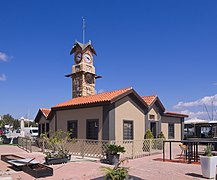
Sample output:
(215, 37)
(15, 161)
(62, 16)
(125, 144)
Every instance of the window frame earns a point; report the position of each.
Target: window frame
(171, 134)
(39, 130)
(132, 133)
(76, 122)
(88, 135)
(149, 117)
(43, 128)
(47, 128)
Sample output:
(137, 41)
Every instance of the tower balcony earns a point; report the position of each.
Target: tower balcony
(83, 67)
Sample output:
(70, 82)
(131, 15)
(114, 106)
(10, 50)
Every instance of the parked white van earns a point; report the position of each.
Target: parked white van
(31, 131)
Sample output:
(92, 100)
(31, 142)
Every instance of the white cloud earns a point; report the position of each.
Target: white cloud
(203, 108)
(198, 114)
(207, 100)
(99, 91)
(215, 84)
(3, 57)
(2, 77)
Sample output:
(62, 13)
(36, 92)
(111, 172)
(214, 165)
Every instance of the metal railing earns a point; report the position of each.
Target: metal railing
(97, 149)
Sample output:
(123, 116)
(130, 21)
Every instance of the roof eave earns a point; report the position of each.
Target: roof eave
(175, 115)
(54, 108)
(38, 116)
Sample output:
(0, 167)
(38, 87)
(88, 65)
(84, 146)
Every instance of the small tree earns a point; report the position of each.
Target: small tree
(57, 142)
(161, 135)
(148, 134)
(160, 141)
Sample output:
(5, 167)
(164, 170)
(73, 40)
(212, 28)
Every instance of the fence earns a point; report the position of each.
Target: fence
(25, 143)
(96, 149)
(140, 148)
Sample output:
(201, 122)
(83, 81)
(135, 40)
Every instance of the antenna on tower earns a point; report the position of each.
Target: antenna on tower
(83, 29)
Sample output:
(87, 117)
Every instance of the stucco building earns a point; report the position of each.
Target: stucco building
(117, 115)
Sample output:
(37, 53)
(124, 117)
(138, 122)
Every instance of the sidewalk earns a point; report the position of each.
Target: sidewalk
(146, 168)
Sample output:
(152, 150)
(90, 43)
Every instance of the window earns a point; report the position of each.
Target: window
(92, 129)
(43, 128)
(39, 129)
(72, 127)
(171, 134)
(34, 131)
(128, 130)
(151, 116)
(47, 129)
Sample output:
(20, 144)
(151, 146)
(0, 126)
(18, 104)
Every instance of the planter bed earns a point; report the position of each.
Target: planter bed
(8, 157)
(50, 161)
(127, 178)
(38, 170)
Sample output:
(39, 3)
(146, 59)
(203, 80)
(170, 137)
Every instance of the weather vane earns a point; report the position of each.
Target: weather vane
(83, 29)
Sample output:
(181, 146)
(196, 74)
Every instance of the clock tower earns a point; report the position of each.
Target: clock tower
(83, 72)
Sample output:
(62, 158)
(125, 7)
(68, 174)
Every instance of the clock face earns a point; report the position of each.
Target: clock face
(87, 58)
(78, 58)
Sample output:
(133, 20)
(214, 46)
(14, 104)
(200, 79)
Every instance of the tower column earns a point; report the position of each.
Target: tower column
(83, 72)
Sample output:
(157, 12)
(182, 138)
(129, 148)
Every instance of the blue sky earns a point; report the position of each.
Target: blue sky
(168, 48)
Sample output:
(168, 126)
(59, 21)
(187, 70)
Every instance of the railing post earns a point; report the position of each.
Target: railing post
(22, 143)
(26, 145)
(30, 145)
(18, 140)
(133, 149)
(163, 150)
(82, 148)
(43, 145)
(150, 146)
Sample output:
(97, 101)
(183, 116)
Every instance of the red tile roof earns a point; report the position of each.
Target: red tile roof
(97, 98)
(45, 111)
(149, 99)
(175, 114)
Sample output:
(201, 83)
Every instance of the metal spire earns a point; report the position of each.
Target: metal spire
(83, 30)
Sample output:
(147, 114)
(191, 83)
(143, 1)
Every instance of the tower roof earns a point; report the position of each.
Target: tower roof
(82, 46)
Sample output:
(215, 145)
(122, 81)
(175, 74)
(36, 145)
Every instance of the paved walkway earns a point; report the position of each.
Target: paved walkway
(146, 168)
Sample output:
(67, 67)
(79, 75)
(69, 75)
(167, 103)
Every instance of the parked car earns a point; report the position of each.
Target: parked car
(1, 132)
(5, 131)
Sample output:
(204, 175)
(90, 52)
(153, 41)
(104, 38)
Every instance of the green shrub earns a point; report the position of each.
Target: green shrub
(208, 151)
(114, 149)
(161, 135)
(148, 134)
(117, 172)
